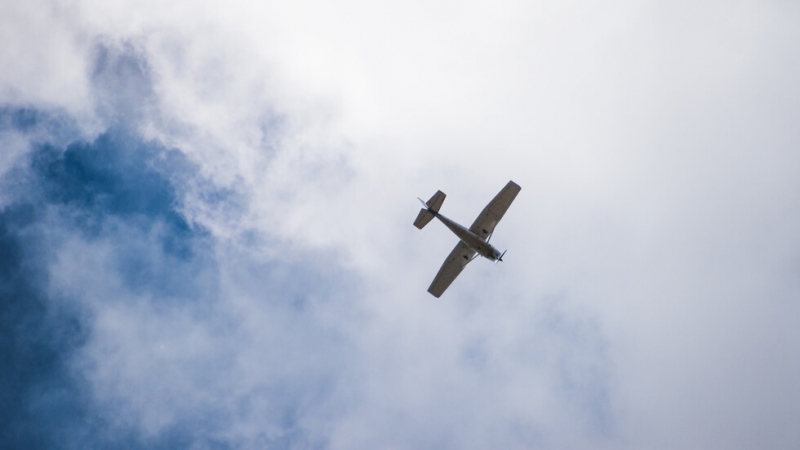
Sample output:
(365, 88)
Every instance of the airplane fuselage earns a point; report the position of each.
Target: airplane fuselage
(476, 242)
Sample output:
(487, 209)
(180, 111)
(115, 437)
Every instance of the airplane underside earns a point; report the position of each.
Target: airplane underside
(473, 241)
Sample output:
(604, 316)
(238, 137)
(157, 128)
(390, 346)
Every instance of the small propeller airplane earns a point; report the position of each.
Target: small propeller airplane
(473, 241)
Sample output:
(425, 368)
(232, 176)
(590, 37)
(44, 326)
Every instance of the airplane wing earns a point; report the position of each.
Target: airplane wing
(453, 265)
(488, 218)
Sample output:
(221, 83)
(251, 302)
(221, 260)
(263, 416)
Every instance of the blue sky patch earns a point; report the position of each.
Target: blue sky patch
(105, 189)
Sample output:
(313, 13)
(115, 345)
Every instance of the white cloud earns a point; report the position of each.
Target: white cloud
(656, 147)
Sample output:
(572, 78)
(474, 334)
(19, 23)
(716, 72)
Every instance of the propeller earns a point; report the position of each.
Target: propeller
(501, 257)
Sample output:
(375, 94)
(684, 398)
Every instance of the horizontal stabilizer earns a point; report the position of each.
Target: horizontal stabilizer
(436, 201)
(423, 218)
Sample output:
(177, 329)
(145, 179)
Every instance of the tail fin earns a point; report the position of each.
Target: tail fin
(432, 205)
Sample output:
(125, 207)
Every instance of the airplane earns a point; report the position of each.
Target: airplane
(473, 241)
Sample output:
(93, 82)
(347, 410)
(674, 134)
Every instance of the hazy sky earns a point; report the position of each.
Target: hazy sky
(206, 235)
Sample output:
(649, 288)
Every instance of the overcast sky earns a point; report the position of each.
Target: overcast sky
(206, 233)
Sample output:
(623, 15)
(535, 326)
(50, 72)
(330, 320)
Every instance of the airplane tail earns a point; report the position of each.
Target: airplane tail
(430, 210)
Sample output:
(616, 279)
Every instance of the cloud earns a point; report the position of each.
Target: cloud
(206, 225)
(127, 323)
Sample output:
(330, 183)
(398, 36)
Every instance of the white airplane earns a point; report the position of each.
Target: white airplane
(473, 240)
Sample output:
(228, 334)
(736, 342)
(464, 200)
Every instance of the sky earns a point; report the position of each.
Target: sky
(206, 235)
